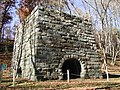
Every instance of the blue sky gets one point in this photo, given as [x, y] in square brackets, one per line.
[77, 3]
[15, 19]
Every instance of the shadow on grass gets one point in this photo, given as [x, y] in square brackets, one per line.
[110, 75]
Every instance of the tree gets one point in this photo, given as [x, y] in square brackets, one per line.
[105, 17]
[26, 6]
[5, 14]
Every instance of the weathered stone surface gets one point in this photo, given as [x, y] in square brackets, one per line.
[49, 39]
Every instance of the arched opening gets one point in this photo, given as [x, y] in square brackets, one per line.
[73, 65]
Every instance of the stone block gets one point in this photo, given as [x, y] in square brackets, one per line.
[54, 39]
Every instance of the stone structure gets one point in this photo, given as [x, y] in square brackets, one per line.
[49, 42]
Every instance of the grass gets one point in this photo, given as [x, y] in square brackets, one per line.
[75, 84]
[60, 84]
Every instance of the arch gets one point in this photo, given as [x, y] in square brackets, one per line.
[73, 65]
[75, 57]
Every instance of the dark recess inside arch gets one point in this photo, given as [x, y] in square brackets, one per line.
[73, 65]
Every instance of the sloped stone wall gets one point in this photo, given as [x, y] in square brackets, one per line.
[47, 38]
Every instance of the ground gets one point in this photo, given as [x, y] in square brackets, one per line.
[74, 84]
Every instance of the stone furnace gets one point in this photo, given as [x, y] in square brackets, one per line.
[49, 42]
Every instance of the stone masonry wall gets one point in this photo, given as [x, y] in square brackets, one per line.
[47, 38]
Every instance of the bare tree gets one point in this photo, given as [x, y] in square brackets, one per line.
[105, 14]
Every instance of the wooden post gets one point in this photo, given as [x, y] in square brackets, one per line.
[68, 76]
[107, 73]
[13, 77]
